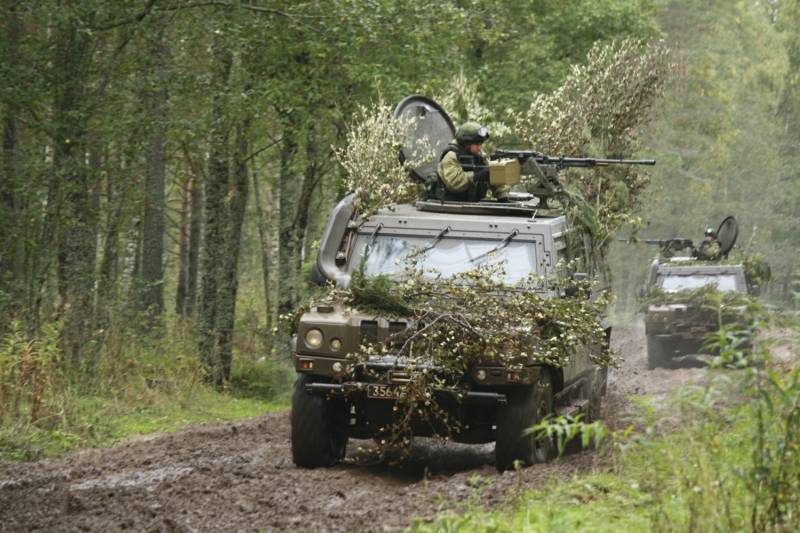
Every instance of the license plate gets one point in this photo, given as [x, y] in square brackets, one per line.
[386, 392]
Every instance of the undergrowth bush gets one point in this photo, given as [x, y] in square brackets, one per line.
[133, 384]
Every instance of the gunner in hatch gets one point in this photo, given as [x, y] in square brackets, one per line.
[463, 172]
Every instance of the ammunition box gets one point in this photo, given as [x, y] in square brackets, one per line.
[504, 172]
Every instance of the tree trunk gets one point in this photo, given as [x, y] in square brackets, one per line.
[195, 232]
[287, 196]
[300, 224]
[183, 249]
[195, 191]
[151, 301]
[11, 254]
[109, 262]
[215, 212]
[76, 257]
[228, 282]
[263, 234]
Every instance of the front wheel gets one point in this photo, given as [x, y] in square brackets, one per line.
[525, 407]
[316, 441]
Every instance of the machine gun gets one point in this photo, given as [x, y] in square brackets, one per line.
[565, 162]
[546, 168]
[668, 246]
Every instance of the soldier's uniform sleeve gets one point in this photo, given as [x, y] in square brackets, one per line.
[708, 251]
[455, 178]
[501, 191]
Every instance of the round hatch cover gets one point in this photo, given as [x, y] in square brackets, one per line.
[726, 234]
[429, 132]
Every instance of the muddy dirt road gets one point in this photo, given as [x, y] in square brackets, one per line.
[240, 476]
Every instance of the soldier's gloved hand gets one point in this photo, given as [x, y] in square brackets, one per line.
[481, 176]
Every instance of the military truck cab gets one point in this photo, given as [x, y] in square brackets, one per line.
[335, 399]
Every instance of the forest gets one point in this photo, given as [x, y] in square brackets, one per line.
[168, 167]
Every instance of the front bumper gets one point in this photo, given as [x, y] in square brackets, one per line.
[465, 396]
[340, 370]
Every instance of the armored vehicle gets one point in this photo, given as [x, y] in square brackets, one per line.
[335, 399]
[677, 317]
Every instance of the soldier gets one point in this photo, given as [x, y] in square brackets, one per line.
[463, 173]
[709, 249]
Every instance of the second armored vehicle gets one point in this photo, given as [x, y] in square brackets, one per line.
[678, 318]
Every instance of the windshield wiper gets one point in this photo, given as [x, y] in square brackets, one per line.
[372, 238]
[435, 241]
[505, 242]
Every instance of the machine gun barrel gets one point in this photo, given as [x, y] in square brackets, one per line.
[676, 243]
[566, 162]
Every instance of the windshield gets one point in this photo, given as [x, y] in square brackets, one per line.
[724, 283]
[389, 254]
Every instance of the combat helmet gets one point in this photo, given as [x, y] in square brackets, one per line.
[710, 232]
[471, 133]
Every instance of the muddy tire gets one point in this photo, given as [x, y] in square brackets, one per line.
[316, 441]
[657, 354]
[525, 407]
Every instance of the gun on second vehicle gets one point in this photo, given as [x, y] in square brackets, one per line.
[671, 245]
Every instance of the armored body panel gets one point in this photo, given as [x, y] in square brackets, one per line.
[493, 402]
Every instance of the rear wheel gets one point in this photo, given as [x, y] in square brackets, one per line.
[657, 353]
[525, 407]
[316, 441]
[597, 389]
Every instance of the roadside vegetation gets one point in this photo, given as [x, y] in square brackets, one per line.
[729, 460]
[136, 386]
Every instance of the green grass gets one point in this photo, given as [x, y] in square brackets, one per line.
[694, 478]
[599, 502]
[103, 422]
[133, 387]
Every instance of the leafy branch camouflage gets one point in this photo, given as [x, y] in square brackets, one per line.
[474, 317]
[704, 297]
[599, 110]
[471, 318]
[369, 158]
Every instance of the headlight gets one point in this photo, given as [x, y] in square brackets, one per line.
[314, 338]
[336, 345]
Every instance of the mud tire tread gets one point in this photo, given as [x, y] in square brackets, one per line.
[518, 414]
[315, 442]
